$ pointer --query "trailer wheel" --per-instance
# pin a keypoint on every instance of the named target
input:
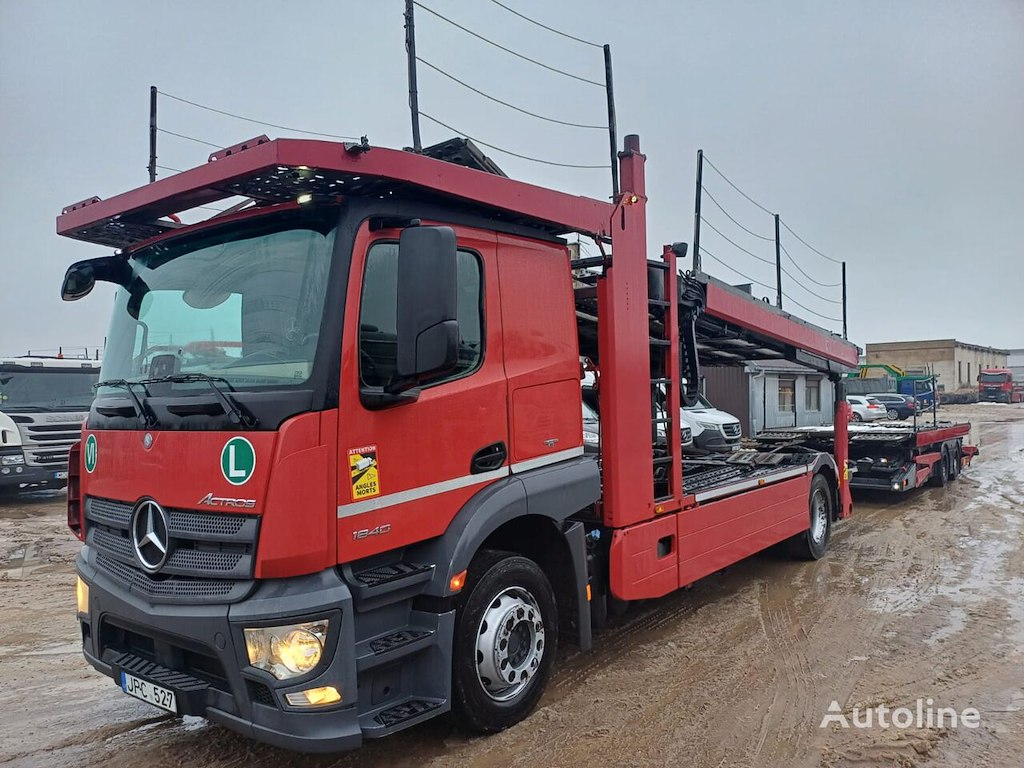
(506, 636)
(812, 543)
(955, 460)
(940, 471)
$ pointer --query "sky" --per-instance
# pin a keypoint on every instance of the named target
(887, 135)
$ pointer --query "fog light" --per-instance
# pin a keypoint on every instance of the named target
(314, 697)
(287, 651)
(5, 471)
(895, 486)
(82, 595)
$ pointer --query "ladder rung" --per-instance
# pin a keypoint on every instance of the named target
(660, 342)
(663, 460)
(657, 264)
(660, 381)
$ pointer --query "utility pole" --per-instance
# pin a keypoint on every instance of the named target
(410, 50)
(696, 211)
(778, 265)
(152, 133)
(609, 89)
(844, 300)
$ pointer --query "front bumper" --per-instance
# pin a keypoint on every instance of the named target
(32, 475)
(715, 442)
(199, 652)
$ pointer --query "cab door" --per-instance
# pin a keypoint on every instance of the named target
(407, 469)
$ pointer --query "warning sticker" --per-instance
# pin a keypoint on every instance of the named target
(362, 464)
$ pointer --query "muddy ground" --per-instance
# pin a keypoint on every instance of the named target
(921, 596)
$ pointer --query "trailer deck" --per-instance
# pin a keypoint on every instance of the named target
(893, 457)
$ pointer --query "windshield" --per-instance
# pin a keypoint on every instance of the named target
(244, 304)
(46, 390)
(702, 403)
(589, 414)
(994, 378)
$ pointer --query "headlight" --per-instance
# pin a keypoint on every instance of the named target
(287, 651)
(10, 461)
(708, 425)
(591, 438)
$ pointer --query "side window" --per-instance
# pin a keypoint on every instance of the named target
(378, 316)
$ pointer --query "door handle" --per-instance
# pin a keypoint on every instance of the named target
(488, 458)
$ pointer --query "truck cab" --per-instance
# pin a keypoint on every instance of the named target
(43, 402)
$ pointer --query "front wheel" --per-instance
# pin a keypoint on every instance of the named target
(857, 416)
(812, 543)
(506, 637)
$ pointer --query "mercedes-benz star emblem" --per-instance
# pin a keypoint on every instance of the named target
(147, 441)
(150, 535)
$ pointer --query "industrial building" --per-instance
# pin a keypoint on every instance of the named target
(954, 363)
(770, 394)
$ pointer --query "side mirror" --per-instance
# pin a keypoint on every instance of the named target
(81, 276)
(428, 331)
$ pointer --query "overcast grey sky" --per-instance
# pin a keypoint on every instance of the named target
(886, 133)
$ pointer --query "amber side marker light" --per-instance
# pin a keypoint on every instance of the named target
(82, 596)
(457, 583)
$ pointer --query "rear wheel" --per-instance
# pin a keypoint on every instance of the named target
(812, 543)
(893, 414)
(940, 470)
(955, 460)
(505, 641)
(857, 416)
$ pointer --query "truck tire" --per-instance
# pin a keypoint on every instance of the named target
(506, 637)
(812, 543)
(940, 471)
(955, 460)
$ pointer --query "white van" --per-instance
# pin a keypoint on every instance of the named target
(713, 430)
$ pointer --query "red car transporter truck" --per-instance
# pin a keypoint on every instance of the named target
(333, 482)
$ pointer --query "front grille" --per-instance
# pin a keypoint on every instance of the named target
(47, 443)
(731, 430)
(211, 554)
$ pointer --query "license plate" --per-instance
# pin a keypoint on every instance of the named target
(148, 692)
(60, 475)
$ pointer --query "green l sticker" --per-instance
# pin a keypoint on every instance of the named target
(91, 453)
(238, 460)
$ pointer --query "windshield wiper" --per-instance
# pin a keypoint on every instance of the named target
(149, 418)
(241, 414)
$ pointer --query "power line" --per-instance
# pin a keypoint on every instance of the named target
(768, 287)
(719, 206)
(771, 262)
(794, 234)
(505, 103)
(705, 252)
(168, 168)
(748, 197)
(506, 151)
(816, 282)
(737, 245)
(808, 309)
(545, 26)
(190, 138)
(258, 122)
(507, 50)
